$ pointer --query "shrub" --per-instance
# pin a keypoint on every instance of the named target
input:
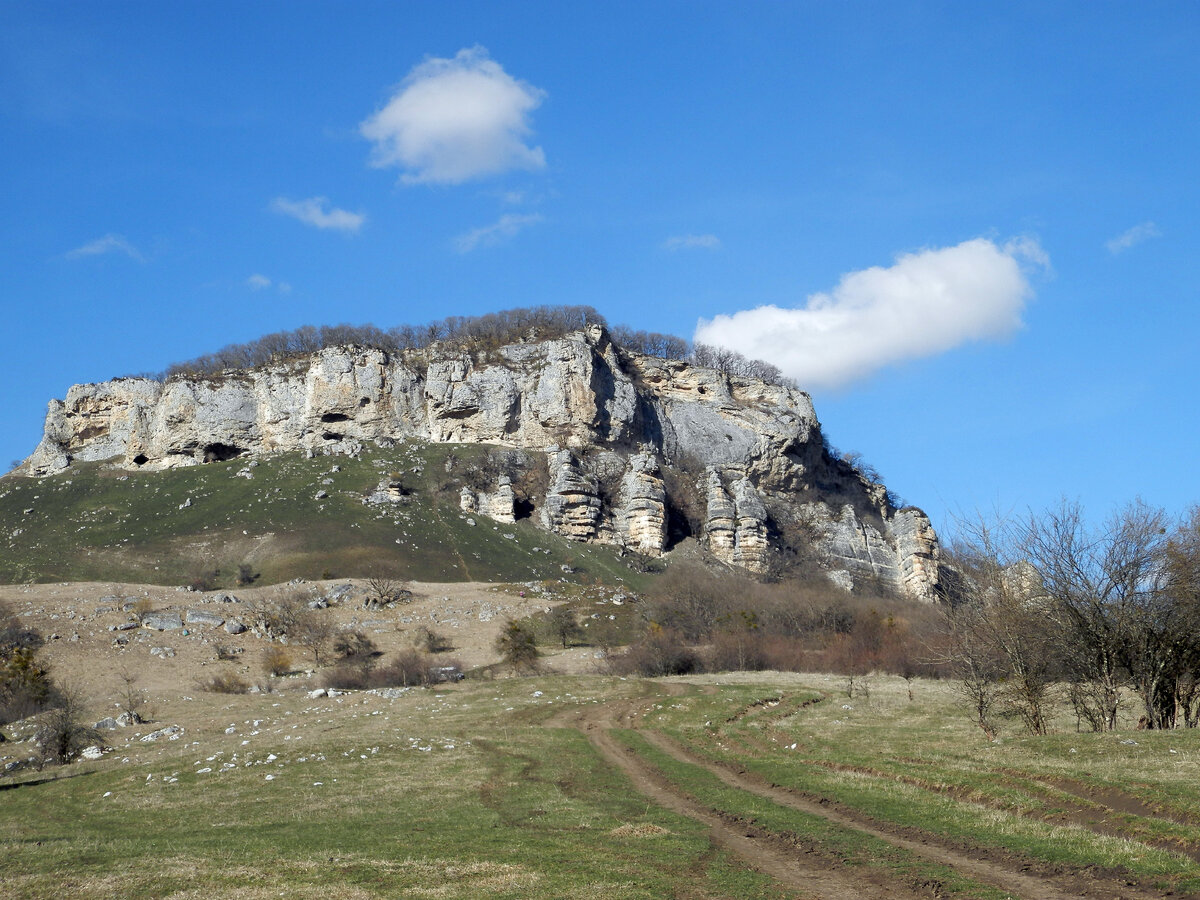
(276, 661)
(347, 678)
(563, 624)
(62, 735)
(355, 646)
(407, 669)
(738, 651)
(224, 683)
(517, 646)
(431, 641)
(661, 652)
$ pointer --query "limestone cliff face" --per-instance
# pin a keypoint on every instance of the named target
(609, 422)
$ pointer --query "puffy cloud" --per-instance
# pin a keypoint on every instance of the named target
(110, 243)
(452, 120)
(692, 242)
(505, 227)
(1134, 235)
(925, 303)
(314, 211)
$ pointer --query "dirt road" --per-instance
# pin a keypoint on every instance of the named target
(811, 873)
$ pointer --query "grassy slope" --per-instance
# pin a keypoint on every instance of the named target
(921, 765)
(463, 793)
(94, 523)
(447, 794)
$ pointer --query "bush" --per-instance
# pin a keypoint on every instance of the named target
(355, 646)
(563, 625)
(431, 641)
(276, 661)
(661, 652)
(517, 646)
(738, 651)
(62, 735)
(224, 683)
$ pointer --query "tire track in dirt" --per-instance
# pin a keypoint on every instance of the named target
(991, 872)
(1100, 812)
(784, 862)
(812, 877)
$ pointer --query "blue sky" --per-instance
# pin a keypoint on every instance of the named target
(969, 229)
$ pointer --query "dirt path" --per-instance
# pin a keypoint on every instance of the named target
(808, 874)
(813, 874)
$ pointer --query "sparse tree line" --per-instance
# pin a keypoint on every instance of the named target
(698, 619)
(1052, 611)
(483, 333)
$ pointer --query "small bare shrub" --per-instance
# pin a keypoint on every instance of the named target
(355, 647)
(276, 661)
(130, 699)
(431, 641)
(62, 735)
(347, 678)
(409, 668)
(661, 652)
(224, 683)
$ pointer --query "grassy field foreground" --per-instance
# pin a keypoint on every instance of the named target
(503, 789)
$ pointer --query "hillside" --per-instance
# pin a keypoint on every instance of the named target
(576, 436)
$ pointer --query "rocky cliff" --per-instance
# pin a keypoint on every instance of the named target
(639, 450)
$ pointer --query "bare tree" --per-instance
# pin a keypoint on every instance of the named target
(1004, 640)
(1100, 582)
(384, 589)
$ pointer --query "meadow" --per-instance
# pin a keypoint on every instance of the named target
(741, 786)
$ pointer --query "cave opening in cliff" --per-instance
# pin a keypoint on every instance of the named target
(332, 436)
(221, 452)
(335, 417)
(141, 459)
(522, 509)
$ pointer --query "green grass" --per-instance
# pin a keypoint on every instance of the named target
(496, 806)
(922, 765)
(96, 523)
(846, 846)
(466, 792)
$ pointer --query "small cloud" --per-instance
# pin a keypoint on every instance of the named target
(692, 242)
(926, 303)
(314, 211)
(452, 120)
(110, 243)
(1135, 235)
(259, 282)
(507, 226)
(513, 198)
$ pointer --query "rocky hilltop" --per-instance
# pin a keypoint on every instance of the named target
(634, 450)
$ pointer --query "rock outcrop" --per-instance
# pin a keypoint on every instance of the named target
(610, 423)
(499, 504)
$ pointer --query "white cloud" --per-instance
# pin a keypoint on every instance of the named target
(1134, 235)
(314, 211)
(260, 282)
(926, 303)
(505, 227)
(452, 120)
(110, 243)
(692, 242)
